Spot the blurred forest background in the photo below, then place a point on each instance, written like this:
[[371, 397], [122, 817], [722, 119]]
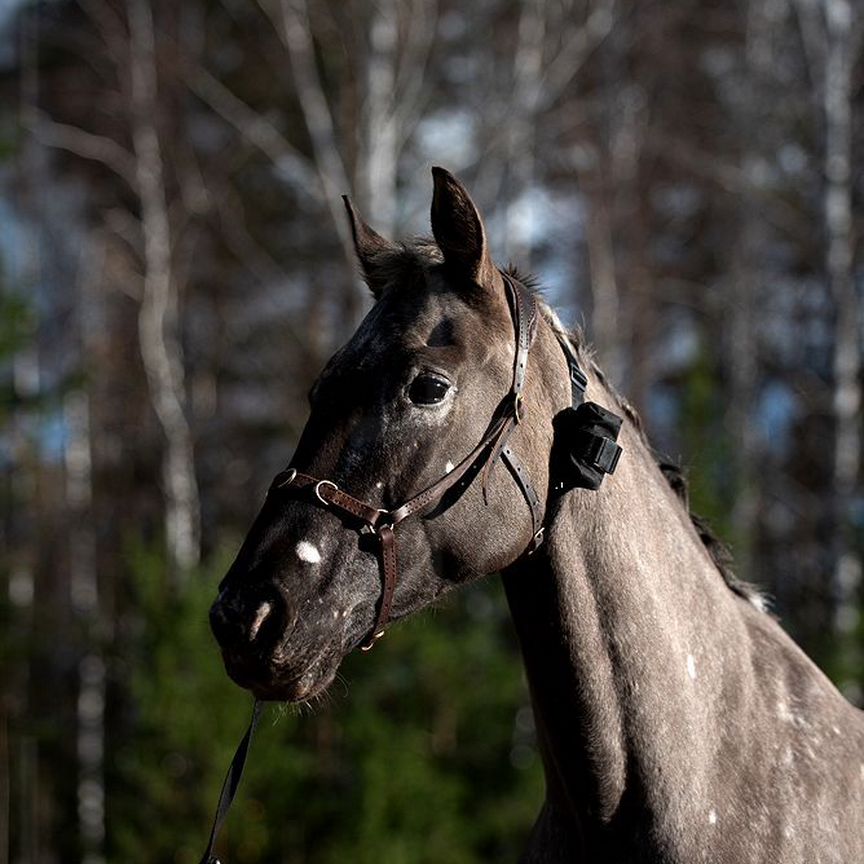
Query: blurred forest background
[[175, 268]]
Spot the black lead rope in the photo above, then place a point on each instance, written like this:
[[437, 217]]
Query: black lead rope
[[231, 782]]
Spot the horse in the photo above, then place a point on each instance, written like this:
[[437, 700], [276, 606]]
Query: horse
[[676, 720]]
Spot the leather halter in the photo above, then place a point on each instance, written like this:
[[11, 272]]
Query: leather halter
[[382, 523], [584, 450]]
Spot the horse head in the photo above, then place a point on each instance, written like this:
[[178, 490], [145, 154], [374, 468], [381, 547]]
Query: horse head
[[429, 374]]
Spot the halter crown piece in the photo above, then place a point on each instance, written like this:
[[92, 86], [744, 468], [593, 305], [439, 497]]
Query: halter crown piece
[[584, 450]]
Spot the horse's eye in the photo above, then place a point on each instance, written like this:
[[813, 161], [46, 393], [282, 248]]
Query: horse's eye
[[427, 389]]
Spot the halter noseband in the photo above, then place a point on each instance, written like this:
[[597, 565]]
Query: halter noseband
[[381, 523]]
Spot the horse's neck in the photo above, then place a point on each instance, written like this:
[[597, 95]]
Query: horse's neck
[[619, 614]]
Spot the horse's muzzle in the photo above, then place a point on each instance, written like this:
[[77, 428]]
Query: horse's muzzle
[[249, 625]]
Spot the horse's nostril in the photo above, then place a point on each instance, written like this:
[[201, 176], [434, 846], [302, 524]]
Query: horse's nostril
[[261, 616], [243, 619]]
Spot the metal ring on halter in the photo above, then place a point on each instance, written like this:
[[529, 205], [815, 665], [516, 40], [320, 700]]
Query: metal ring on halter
[[292, 476], [368, 529], [372, 640], [317, 490], [536, 540]]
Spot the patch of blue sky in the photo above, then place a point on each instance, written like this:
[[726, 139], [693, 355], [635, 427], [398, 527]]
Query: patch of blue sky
[[448, 138], [52, 434], [775, 413]]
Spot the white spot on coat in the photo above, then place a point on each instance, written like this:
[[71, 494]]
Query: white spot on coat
[[783, 712], [448, 467], [379, 484], [308, 552], [691, 666], [712, 817]]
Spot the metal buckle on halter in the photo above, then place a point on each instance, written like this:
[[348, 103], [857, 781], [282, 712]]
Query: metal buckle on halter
[[292, 476], [604, 454], [577, 376], [368, 528], [317, 490], [536, 540], [372, 640]]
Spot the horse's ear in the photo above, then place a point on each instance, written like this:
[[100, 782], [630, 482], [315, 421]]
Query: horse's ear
[[458, 228], [370, 247]]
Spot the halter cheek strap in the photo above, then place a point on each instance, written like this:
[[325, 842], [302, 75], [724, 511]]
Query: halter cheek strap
[[584, 451], [382, 523]]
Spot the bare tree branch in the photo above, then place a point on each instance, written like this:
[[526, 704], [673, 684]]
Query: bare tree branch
[[158, 321], [127, 227], [110, 26], [80, 142], [293, 26], [257, 129], [813, 38], [577, 46], [733, 180], [412, 74]]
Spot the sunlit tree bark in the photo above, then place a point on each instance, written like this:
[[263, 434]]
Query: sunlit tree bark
[[840, 38], [159, 322]]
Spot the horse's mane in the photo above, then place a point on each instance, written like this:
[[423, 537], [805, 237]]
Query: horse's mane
[[672, 471], [423, 253]]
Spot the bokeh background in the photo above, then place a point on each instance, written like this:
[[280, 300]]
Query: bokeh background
[[175, 268]]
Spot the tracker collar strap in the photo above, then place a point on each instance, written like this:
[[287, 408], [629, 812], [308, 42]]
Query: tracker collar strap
[[584, 447]]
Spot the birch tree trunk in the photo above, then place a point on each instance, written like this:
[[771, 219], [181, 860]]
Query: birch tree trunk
[[158, 322], [380, 129], [602, 271], [545, 65], [90, 708], [295, 29], [837, 98], [741, 297], [83, 576], [521, 142], [392, 94]]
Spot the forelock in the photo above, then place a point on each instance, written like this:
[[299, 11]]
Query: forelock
[[406, 265]]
